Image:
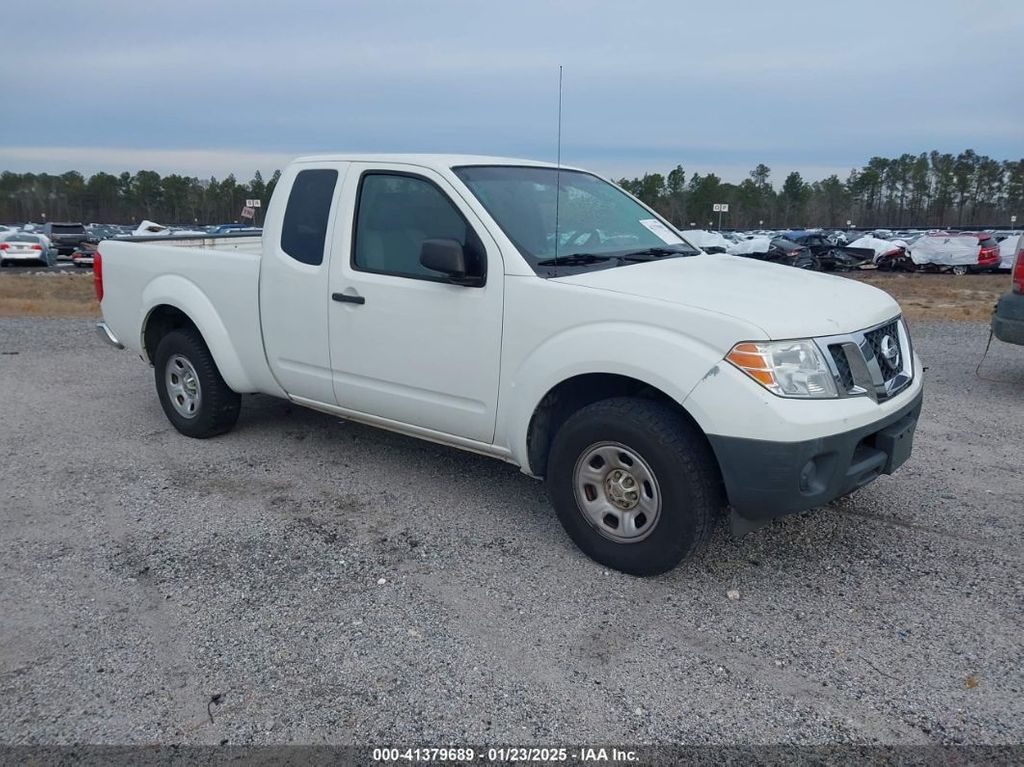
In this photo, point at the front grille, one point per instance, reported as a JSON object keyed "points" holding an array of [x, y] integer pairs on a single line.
{"points": [[874, 339], [842, 366], [875, 362]]}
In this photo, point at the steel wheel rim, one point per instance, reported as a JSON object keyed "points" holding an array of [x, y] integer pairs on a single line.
{"points": [[617, 492], [183, 388]]}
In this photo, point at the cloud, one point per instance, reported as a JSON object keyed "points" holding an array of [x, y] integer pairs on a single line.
{"points": [[804, 85]]}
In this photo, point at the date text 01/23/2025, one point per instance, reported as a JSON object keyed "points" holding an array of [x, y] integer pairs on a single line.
{"points": [[504, 754]]}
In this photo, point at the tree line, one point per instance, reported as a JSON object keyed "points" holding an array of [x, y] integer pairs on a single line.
{"points": [[931, 189], [127, 198]]}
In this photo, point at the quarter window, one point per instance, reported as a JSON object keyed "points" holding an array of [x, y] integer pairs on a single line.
{"points": [[304, 231], [396, 213]]}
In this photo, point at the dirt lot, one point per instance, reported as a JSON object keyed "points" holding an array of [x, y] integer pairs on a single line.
{"points": [[47, 294], [940, 296], [328, 583], [922, 296]]}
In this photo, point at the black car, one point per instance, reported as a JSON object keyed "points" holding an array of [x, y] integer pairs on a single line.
{"points": [[66, 237], [785, 251], [829, 256]]}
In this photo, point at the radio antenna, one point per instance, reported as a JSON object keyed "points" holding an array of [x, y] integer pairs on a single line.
{"points": [[558, 161]]}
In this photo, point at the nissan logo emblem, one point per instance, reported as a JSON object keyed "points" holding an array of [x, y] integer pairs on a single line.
{"points": [[890, 351]]}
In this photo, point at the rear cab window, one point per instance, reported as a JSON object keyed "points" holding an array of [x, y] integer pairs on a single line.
{"points": [[67, 229], [306, 217]]}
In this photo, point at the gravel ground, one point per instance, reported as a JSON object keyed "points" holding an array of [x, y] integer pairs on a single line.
{"points": [[336, 584]]}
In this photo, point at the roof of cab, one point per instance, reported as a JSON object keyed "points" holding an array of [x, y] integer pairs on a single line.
{"points": [[436, 161]]}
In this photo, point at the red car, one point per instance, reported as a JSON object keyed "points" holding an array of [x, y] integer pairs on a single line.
{"points": [[988, 253]]}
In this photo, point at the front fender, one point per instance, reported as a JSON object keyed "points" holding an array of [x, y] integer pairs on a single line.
{"points": [[667, 360], [185, 295]]}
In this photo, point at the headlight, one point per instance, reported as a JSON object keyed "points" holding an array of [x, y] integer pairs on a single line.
{"points": [[786, 368]]}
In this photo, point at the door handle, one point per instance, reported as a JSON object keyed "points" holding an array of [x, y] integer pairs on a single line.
{"points": [[347, 298]]}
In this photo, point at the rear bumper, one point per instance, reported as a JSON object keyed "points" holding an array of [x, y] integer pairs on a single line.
{"points": [[65, 247], [107, 335], [766, 479], [1008, 319]]}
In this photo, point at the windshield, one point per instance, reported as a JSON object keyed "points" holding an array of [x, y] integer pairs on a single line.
{"points": [[597, 223]]}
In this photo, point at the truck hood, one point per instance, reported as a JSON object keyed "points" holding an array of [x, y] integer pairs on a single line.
{"points": [[783, 301]]}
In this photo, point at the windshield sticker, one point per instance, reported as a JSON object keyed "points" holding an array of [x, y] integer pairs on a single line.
{"points": [[665, 234]]}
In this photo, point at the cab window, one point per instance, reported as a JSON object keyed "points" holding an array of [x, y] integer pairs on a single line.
{"points": [[395, 214]]}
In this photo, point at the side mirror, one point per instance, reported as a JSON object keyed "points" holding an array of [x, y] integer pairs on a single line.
{"points": [[445, 256]]}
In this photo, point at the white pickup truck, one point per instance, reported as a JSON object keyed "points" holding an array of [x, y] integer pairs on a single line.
{"points": [[540, 315]]}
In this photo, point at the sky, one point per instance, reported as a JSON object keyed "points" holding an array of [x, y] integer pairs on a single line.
{"points": [[205, 88]]}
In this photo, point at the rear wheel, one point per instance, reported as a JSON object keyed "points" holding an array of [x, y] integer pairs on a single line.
{"points": [[634, 484], [191, 390]]}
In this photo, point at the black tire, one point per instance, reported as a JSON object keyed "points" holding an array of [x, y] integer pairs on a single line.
{"points": [[218, 406], [680, 459]]}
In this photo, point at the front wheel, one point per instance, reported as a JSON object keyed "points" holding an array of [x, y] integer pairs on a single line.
{"points": [[191, 390], [634, 484]]}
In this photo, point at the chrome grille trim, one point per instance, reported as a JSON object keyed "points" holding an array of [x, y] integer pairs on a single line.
{"points": [[859, 365]]}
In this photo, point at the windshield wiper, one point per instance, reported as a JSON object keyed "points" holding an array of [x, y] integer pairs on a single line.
{"points": [[650, 253], [575, 259]]}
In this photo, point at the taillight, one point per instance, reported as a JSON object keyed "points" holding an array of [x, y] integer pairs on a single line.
{"points": [[97, 275], [5, 246], [37, 247], [1018, 270]]}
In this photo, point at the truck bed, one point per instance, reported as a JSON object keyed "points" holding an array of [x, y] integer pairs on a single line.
{"points": [[214, 280], [249, 243]]}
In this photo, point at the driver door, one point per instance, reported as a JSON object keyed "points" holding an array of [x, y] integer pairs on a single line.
{"points": [[406, 343]]}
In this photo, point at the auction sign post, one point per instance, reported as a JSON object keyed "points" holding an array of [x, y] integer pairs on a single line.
{"points": [[249, 211], [720, 208]]}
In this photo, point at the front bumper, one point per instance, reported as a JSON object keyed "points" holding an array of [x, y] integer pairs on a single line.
{"points": [[1008, 318], [766, 479]]}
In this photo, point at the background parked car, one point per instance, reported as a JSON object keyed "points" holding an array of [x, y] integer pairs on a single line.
{"points": [[961, 252], [25, 248], [828, 255], [785, 251], [1008, 316], [84, 253], [64, 236]]}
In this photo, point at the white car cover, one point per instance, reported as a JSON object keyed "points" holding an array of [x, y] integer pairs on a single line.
{"points": [[704, 239], [946, 250], [747, 247], [150, 229], [878, 245], [1007, 250]]}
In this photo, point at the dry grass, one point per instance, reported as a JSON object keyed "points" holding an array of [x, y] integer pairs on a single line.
{"points": [[60, 294], [922, 296], [940, 296]]}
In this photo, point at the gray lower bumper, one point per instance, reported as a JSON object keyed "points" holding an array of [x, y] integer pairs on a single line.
{"points": [[108, 336], [770, 479], [1008, 319]]}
